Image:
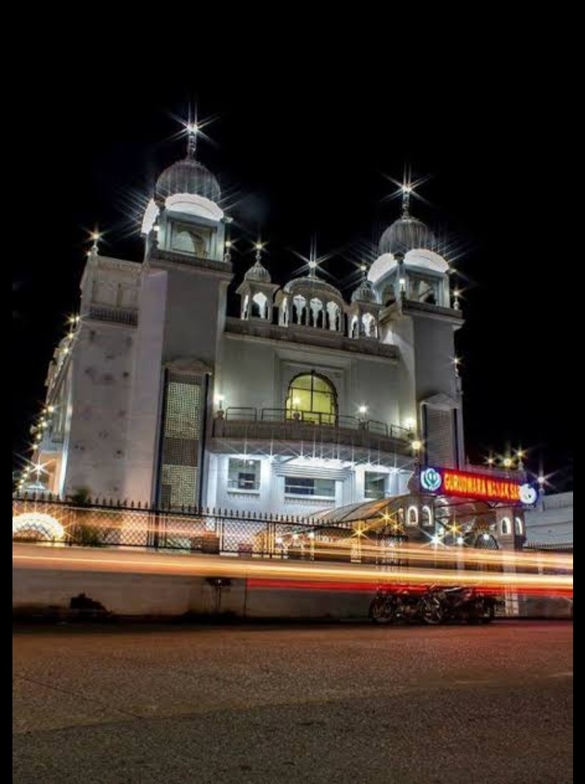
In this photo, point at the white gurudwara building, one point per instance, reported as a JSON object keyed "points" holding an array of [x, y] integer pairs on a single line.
{"points": [[302, 402]]}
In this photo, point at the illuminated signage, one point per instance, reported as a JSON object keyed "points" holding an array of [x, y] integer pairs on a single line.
{"points": [[446, 481]]}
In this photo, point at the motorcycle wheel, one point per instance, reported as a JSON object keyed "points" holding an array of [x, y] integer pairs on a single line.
{"points": [[379, 613], [489, 614], [431, 612]]}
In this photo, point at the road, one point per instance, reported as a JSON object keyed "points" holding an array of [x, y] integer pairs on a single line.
{"points": [[340, 703]]}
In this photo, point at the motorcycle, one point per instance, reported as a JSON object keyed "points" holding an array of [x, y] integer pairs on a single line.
{"points": [[390, 605], [466, 603], [433, 605]]}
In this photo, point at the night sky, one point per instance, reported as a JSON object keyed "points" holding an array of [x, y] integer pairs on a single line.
{"points": [[311, 153]]}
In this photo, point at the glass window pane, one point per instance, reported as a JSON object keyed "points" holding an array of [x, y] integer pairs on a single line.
{"points": [[314, 397], [320, 385], [374, 484], [243, 474], [295, 485]]}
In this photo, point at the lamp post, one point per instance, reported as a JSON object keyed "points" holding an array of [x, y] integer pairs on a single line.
{"points": [[416, 446], [220, 411]]}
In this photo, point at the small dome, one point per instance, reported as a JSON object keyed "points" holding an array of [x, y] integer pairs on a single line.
{"points": [[407, 233], [364, 293], [312, 287], [188, 176], [258, 272]]}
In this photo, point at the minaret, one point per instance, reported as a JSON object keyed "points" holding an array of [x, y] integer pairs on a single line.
{"points": [[182, 314]]}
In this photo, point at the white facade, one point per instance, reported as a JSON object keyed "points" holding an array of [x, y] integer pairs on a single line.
{"points": [[300, 403], [550, 522]]}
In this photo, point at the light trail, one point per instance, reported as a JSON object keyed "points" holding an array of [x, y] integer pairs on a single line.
{"points": [[96, 560]]}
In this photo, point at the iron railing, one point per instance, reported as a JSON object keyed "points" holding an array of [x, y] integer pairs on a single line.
{"points": [[247, 416], [102, 523]]}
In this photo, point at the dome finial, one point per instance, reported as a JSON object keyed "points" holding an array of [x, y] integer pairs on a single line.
{"points": [[313, 257], [95, 237], [406, 189], [192, 131], [258, 245]]}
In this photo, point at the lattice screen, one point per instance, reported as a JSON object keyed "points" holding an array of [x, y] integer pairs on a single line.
{"points": [[181, 436], [440, 437]]}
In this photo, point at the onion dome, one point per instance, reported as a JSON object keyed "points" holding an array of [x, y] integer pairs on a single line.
{"points": [[407, 233], [258, 273], [311, 287], [364, 293], [188, 175]]}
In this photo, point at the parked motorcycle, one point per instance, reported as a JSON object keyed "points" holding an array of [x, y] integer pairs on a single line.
{"points": [[433, 605], [466, 603], [391, 605]]}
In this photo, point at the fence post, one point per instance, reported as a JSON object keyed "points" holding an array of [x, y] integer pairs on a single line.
{"points": [[156, 530]]}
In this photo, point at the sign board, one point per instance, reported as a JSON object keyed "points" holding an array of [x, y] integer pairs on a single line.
{"points": [[448, 481]]}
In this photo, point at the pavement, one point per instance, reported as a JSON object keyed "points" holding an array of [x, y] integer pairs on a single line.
{"points": [[347, 703]]}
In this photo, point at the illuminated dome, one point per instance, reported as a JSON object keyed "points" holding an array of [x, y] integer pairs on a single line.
{"points": [[311, 287], [407, 233], [188, 176], [364, 293], [258, 272]]}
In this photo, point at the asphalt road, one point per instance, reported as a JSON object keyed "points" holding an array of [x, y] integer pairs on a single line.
{"points": [[348, 703]]}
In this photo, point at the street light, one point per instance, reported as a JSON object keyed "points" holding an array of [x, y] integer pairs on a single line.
{"points": [[416, 446]]}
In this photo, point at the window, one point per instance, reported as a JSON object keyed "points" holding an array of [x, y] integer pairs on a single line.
{"points": [[243, 474], [185, 240], [427, 517], [324, 488], [518, 526], [505, 526], [374, 485], [314, 397], [412, 516]]}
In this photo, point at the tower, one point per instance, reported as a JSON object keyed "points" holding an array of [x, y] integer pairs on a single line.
{"points": [[182, 304], [412, 281]]}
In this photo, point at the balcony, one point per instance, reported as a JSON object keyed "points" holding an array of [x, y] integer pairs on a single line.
{"points": [[114, 315], [295, 432]]}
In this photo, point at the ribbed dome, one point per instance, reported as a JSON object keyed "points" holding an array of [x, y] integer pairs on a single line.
{"points": [[188, 176], [407, 233], [364, 293], [312, 287], [258, 272]]}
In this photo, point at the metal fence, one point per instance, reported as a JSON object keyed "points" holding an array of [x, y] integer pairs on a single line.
{"points": [[38, 518]]}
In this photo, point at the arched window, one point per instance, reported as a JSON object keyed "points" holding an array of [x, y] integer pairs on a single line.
{"points": [[245, 304], [334, 316], [284, 313], [314, 397], [260, 305], [186, 241], [505, 526], [412, 516], [369, 323], [518, 526], [427, 516]]}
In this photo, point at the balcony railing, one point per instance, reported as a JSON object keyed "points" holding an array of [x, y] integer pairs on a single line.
{"points": [[284, 424], [115, 315]]}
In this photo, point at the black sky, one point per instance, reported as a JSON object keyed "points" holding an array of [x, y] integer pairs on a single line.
{"points": [[303, 151]]}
